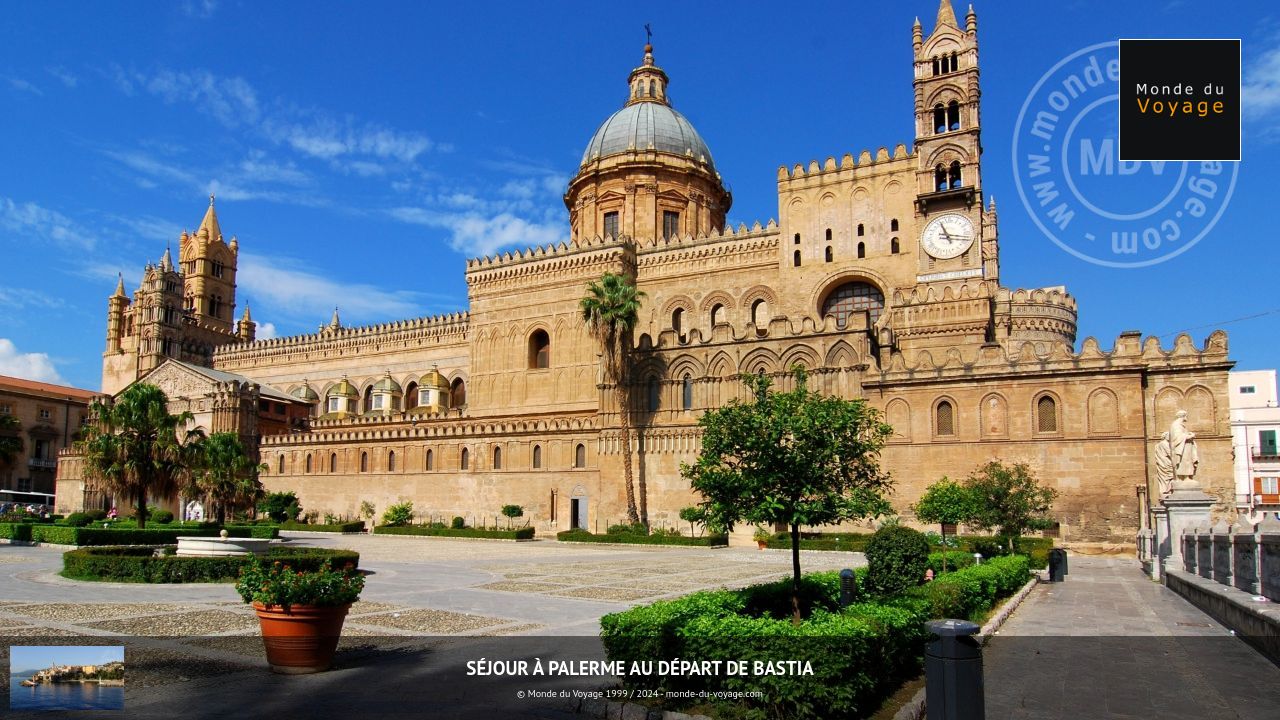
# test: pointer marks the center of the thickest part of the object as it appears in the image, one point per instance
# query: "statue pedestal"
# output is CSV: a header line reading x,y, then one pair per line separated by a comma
x,y
1186,507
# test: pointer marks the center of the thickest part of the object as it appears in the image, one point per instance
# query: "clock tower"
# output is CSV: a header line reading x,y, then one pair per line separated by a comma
x,y
956,238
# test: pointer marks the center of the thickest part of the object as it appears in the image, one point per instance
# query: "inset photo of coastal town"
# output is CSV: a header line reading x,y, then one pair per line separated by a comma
x,y
89,677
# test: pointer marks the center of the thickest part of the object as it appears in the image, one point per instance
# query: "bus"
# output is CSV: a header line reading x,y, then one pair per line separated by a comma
x,y
43,502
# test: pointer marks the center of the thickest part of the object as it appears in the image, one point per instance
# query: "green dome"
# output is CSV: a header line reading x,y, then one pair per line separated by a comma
x,y
386,384
344,389
306,393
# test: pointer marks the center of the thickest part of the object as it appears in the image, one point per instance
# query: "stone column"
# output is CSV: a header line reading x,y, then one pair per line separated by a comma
x,y
1184,508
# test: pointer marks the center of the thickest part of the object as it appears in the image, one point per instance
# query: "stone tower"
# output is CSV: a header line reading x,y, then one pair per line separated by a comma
x,y
948,147
158,314
209,271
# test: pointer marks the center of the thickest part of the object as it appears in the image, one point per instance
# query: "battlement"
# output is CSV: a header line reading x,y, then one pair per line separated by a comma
x,y
847,164
407,426
779,327
452,326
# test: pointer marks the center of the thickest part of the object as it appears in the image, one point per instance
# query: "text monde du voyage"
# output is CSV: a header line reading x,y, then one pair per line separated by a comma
x,y
1179,99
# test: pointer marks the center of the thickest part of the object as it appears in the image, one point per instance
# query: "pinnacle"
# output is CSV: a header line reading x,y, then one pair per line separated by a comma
x,y
946,15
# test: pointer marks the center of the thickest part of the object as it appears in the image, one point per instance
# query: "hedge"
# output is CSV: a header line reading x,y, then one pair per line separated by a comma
x,y
524,533
82,536
354,526
638,539
141,564
970,592
859,655
1036,548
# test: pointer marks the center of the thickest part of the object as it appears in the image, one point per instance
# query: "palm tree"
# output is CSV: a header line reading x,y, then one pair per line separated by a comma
x,y
227,474
611,310
10,440
133,446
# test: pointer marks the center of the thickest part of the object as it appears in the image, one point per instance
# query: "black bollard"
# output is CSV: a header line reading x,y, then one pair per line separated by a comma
x,y
848,587
953,671
1057,565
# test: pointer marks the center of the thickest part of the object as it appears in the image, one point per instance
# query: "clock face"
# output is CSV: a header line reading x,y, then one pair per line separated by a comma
x,y
947,236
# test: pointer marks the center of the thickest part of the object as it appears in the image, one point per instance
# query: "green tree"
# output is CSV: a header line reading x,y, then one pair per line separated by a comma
x,y
227,474
10,440
796,458
693,516
283,506
511,512
136,447
611,310
946,502
1009,499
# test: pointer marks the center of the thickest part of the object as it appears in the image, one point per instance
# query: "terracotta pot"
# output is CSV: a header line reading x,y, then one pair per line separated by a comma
x,y
303,639
762,543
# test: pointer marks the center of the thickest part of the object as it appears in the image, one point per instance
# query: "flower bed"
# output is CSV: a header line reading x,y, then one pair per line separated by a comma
x,y
84,536
524,533
858,655
639,539
354,526
141,564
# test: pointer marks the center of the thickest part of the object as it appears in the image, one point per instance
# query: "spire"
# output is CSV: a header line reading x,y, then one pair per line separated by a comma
x,y
234,244
946,16
119,286
335,323
246,317
971,21
209,225
917,34
166,262
648,82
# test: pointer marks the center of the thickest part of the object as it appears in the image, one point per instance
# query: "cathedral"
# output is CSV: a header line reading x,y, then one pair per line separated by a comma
x,y
881,276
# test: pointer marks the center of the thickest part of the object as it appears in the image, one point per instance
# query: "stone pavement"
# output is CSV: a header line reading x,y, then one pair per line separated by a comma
x,y
1109,643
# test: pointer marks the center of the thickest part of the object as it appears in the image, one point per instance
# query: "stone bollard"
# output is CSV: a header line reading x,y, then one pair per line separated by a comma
x,y
1204,554
1220,540
1189,550
1268,535
1244,553
953,671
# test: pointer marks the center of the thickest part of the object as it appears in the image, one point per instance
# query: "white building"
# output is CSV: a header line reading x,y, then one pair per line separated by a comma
x,y
1255,425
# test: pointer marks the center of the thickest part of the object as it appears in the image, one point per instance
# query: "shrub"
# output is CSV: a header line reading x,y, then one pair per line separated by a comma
x,y
398,514
353,526
62,535
513,511
846,542
95,515
164,517
992,547
278,583
77,520
280,506
628,529
635,539
16,531
142,564
458,523
665,532
897,557
968,593
438,530
956,559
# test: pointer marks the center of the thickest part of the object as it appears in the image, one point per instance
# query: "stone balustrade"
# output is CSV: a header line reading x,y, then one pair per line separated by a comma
x,y
1243,555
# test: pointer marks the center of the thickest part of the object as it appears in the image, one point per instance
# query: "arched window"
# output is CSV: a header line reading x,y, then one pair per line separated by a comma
x,y
686,393
429,460
280,466
935,66
953,115
465,461
677,320
861,230
308,462
333,462
893,225
457,393
580,456
391,461
718,315
537,457
828,234
539,350
953,174
939,178
944,419
894,247
411,396
853,297
364,462
653,89
497,458
760,313
830,255
795,259
368,399
655,394
1046,414
862,250
797,242
939,119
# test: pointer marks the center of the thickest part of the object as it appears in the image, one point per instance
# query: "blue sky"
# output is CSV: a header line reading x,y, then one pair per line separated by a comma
x,y
361,156
39,657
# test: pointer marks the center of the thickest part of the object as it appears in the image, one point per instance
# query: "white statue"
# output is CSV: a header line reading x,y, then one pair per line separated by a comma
x,y
1164,466
1182,449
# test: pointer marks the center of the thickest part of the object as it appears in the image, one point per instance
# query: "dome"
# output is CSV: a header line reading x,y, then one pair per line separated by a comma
x,y
644,126
387,385
306,393
434,379
344,389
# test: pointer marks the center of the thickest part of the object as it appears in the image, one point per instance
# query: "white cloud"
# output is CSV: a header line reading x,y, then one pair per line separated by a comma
x,y
329,139
30,366
63,75
149,227
289,287
1260,94
231,100
250,179
266,331
19,299
28,221
201,9
475,234
25,86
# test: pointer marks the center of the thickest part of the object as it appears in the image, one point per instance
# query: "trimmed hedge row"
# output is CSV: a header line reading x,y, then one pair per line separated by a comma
x,y
524,533
858,655
141,564
82,536
638,539
970,592
354,526
1035,548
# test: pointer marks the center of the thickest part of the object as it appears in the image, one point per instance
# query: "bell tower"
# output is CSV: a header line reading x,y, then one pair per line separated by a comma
x,y
209,273
949,148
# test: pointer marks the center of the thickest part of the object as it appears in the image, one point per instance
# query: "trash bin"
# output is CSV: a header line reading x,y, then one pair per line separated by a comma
x,y
1057,565
953,671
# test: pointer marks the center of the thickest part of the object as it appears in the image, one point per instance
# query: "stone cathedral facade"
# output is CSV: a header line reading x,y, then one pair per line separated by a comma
x,y
881,276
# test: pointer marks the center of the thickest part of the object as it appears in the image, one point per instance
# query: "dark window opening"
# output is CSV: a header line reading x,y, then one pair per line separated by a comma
x,y
539,350
611,225
853,297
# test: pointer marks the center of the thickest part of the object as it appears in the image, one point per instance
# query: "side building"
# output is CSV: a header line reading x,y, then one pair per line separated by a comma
x,y
39,420
881,276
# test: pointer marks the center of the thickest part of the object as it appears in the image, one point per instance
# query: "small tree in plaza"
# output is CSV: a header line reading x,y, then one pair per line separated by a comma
x,y
511,512
136,448
694,516
795,458
946,502
280,506
1009,499
227,474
